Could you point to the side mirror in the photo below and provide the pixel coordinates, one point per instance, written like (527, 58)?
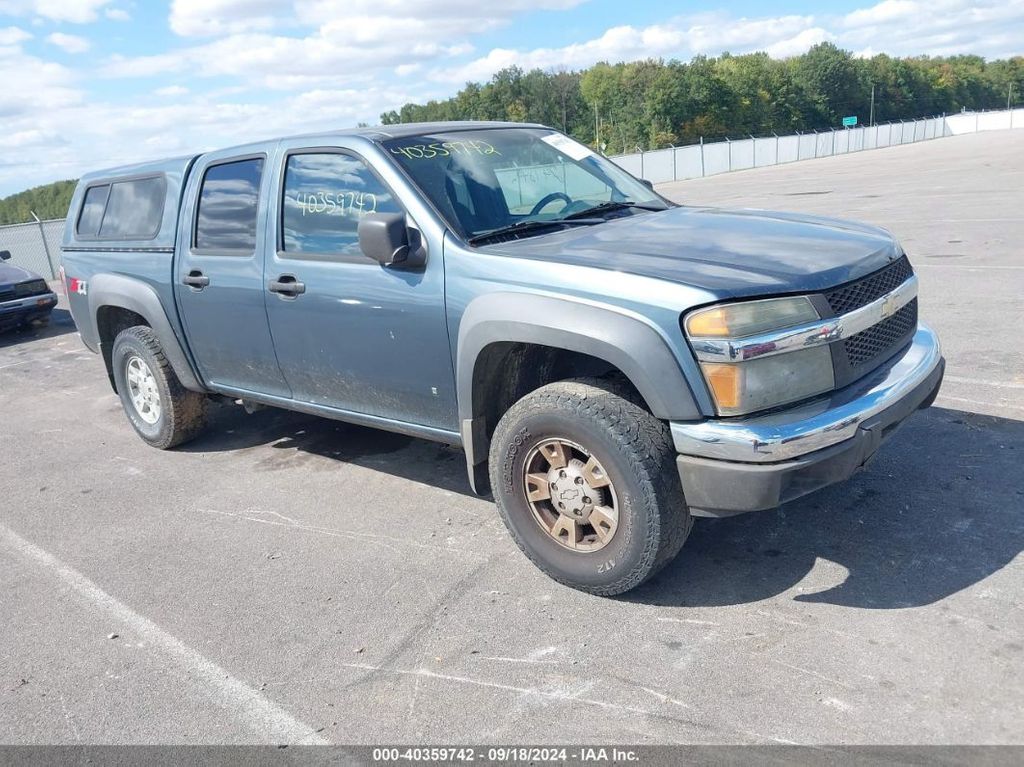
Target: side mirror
(648, 184)
(385, 237)
(5, 255)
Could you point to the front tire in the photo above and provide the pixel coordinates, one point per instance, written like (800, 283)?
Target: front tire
(586, 482)
(162, 411)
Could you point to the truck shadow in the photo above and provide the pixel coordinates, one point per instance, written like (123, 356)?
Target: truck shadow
(938, 511)
(289, 433)
(60, 323)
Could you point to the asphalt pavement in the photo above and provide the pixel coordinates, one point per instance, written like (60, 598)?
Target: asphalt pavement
(290, 579)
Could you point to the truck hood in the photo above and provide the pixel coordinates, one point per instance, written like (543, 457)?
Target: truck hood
(730, 253)
(11, 274)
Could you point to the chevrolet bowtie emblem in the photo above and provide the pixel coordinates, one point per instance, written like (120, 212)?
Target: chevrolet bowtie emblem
(889, 307)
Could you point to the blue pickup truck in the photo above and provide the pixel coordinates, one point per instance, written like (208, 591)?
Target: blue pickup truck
(612, 364)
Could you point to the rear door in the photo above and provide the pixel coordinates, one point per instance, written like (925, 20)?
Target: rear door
(359, 336)
(219, 272)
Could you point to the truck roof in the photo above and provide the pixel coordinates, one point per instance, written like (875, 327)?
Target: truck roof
(414, 129)
(378, 132)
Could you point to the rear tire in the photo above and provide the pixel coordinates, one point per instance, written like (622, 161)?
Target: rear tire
(162, 411)
(586, 435)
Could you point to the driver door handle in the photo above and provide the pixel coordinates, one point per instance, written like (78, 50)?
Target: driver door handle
(287, 286)
(196, 280)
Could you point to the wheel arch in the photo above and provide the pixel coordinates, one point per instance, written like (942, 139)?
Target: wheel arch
(117, 302)
(512, 343)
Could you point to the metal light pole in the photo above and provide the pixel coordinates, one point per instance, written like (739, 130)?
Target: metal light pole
(872, 119)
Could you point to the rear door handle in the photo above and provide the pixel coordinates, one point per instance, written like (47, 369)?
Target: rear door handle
(196, 280)
(287, 286)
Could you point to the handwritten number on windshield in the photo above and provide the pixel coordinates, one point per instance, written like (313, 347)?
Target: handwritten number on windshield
(446, 149)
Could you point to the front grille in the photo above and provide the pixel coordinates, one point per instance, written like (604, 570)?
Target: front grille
(7, 293)
(875, 342)
(857, 294)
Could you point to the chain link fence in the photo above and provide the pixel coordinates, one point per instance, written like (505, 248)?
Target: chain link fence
(34, 246)
(709, 159)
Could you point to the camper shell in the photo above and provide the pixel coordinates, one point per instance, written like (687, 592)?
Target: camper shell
(115, 194)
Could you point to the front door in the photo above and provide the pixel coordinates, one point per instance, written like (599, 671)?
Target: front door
(355, 335)
(219, 275)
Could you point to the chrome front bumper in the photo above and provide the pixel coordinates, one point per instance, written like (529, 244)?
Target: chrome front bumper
(743, 464)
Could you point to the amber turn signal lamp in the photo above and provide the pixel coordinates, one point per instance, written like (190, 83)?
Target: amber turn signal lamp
(709, 323)
(725, 382)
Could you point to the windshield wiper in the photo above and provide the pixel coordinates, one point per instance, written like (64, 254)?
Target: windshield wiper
(529, 226)
(606, 207)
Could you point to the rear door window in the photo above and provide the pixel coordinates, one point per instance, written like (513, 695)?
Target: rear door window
(134, 209)
(229, 207)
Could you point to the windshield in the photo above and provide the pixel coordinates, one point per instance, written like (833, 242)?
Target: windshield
(483, 181)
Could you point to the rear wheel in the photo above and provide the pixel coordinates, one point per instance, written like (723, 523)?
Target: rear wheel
(162, 411)
(585, 480)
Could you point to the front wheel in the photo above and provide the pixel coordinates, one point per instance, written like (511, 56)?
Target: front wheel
(162, 411)
(586, 482)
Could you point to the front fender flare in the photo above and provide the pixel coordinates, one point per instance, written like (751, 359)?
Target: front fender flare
(628, 343)
(140, 297)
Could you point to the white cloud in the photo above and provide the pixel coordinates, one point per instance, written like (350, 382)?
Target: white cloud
(32, 87)
(117, 14)
(32, 137)
(709, 33)
(74, 11)
(887, 11)
(333, 56)
(172, 91)
(69, 43)
(210, 18)
(993, 28)
(13, 35)
(48, 149)
(321, 11)
(799, 43)
(333, 38)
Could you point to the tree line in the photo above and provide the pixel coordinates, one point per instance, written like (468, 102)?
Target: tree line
(48, 201)
(653, 104)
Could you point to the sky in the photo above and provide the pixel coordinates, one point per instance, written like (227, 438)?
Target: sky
(88, 84)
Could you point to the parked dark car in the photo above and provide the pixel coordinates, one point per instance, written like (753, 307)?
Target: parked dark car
(25, 298)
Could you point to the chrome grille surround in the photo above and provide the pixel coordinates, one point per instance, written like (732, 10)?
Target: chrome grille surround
(878, 339)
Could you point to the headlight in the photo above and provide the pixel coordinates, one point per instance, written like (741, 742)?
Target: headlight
(746, 386)
(750, 318)
(32, 288)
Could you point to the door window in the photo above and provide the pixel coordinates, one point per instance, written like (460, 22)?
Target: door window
(229, 207)
(325, 196)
